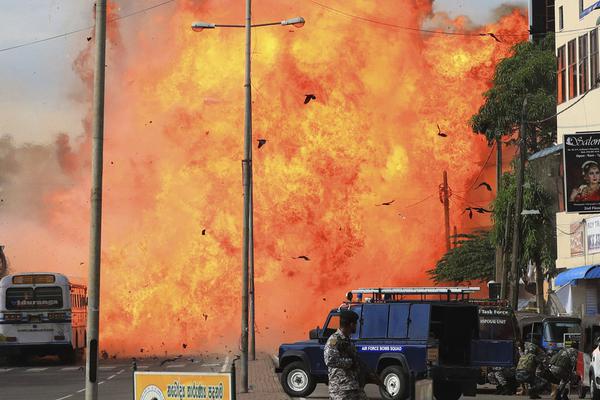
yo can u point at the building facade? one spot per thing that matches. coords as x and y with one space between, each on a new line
577 25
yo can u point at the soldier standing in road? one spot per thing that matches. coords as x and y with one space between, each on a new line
342 361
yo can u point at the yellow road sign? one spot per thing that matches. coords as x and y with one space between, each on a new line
182 386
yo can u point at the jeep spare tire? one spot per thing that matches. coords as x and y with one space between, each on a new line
296 380
394 383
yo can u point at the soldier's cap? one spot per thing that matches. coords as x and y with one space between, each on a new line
348 317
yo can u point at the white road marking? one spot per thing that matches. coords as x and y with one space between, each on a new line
101 382
65 397
6 369
210 365
106 368
225 364
143 366
81 390
110 377
175 365
35 369
69 368
120 372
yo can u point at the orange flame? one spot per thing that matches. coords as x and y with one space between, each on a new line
174 144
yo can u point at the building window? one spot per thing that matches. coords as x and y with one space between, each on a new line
580 6
594 59
583 64
561 75
561 18
572 71
550 16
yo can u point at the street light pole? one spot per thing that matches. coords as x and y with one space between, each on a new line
247 223
93 312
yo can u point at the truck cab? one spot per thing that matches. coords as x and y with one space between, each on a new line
398 338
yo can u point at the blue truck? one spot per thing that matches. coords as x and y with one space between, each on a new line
403 333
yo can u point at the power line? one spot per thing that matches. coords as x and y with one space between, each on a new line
418 202
482 168
17 46
434 32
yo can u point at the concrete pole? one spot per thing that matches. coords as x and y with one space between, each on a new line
251 291
446 211
516 244
93 310
499 252
247 182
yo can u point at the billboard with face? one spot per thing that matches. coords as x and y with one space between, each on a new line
582 172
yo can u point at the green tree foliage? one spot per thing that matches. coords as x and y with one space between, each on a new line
471 260
537 231
531 72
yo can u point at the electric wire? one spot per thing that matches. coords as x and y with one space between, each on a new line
434 32
46 39
482 168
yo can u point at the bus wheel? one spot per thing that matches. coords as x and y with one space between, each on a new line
68 356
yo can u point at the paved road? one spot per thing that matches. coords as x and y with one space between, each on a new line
373 393
47 379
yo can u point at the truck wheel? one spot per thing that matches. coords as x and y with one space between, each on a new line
296 380
446 391
394 382
593 388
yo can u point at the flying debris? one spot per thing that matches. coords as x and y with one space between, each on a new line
486 185
481 210
184 345
470 210
205 316
89 38
492 35
305 258
387 203
402 216
261 142
203 232
440 133
309 97
163 362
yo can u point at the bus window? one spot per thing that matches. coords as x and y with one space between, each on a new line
31 299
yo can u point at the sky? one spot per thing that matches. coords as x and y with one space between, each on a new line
39 87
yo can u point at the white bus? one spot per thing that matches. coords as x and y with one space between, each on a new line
42 314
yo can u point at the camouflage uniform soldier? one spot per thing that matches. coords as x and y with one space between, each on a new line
532 357
342 361
560 370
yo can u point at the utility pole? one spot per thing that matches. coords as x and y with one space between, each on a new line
505 280
93 308
247 182
251 292
499 252
455 239
516 243
446 201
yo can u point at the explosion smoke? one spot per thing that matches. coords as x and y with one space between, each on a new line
172 166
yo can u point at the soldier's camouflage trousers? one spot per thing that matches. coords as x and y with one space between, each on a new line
358 394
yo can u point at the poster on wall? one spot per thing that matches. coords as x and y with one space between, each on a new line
582 172
577 243
592 228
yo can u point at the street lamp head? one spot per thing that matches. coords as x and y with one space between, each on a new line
298 22
200 26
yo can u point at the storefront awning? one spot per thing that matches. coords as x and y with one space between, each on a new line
547 151
586 272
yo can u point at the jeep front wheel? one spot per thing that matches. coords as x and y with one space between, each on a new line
394 383
296 380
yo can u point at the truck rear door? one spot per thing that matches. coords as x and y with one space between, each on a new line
497 334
